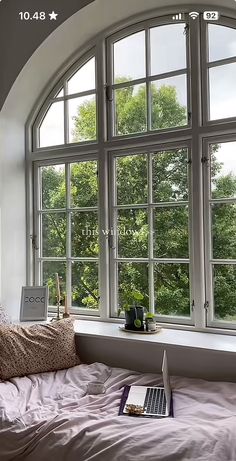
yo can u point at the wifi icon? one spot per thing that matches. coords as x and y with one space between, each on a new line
194 15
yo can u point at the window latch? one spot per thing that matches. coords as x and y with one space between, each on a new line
111 242
193 305
34 242
206 305
204 160
109 93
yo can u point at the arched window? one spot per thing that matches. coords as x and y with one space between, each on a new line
134 161
60 124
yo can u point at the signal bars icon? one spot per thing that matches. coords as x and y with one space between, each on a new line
178 17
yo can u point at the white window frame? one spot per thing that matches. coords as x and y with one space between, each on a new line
147 79
68 210
150 260
209 260
206 65
197 136
67 97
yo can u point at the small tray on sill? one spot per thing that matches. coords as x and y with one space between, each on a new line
141 332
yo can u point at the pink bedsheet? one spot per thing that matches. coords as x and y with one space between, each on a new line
50 417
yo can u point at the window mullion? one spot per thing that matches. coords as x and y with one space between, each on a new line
103 215
209 299
113 248
68 238
148 72
197 250
66 116
37 233
103 241
150 237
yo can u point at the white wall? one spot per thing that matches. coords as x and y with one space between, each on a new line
182 361
49 57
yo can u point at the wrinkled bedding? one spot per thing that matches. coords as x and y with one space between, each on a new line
50 416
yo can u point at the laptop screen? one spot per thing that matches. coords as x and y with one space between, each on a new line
166 380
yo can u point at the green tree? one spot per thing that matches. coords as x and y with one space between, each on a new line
170 184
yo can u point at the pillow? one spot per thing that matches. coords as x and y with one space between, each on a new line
37 348
4 317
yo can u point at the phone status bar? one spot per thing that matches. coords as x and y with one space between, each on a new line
193 15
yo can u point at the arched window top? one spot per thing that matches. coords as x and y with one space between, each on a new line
83 79
62 122
147 73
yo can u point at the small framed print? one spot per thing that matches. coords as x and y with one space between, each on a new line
34 303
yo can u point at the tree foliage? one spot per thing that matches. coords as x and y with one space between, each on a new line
170 232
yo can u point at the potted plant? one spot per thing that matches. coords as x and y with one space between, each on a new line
134 312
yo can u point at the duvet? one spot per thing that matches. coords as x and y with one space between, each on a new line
51 416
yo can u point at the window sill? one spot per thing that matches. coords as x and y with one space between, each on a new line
166 337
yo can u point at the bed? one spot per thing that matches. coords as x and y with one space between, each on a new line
50 416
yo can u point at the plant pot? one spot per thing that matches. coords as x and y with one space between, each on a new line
134 313
150 325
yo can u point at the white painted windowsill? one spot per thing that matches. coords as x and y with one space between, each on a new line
166 337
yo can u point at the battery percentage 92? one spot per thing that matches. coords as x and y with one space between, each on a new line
211 15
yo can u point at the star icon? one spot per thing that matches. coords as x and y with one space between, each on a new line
53 15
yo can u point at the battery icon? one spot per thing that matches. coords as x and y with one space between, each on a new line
211 15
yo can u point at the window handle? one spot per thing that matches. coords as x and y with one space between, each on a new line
111 242
34 242
109 93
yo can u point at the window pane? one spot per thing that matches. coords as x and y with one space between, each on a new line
129 58
169 102
223 170
132 277
85 291
84 184
51 132
54 234
170 176
53 189
50 268
82 119
224 231
222 42
222 91
133 233
171 283
131 179
131 110
83 79
168 48
171 232
224 283
84 234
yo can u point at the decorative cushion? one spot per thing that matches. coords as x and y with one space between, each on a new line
37 348
4 317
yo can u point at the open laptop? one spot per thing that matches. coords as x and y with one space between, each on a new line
156 401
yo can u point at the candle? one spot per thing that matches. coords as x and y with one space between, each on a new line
66 306
58 288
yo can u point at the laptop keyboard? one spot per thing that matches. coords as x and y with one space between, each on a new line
155 401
